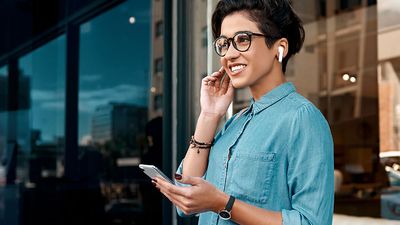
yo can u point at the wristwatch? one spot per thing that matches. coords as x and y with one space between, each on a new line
225 214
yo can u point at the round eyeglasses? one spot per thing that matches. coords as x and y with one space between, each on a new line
241 42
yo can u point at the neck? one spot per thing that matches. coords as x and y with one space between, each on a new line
267 83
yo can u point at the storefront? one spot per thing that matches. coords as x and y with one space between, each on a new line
90 89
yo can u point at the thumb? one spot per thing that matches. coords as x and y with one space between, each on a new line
230 88
186 179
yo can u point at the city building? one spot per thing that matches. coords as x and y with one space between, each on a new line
119 123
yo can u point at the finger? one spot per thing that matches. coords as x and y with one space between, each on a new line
225 84
218 73
185 205
230 89
173 198
178 200
221 70
189 179
179 204
210 79
170 188
210 83
217 84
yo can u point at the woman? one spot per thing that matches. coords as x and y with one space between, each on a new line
273 162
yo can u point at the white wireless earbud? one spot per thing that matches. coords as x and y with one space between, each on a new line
280 51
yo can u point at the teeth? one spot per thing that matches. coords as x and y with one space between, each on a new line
236 68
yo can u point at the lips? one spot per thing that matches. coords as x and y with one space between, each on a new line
237 68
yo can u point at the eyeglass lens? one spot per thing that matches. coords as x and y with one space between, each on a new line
241 42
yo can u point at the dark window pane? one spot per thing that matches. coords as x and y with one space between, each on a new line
159 28
158 65
114 110
158 99
41 118
3 117
204 37
3 88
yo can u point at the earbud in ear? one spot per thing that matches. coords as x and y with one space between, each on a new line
280 51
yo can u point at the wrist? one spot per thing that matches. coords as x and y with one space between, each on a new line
221 201
206 127
210 117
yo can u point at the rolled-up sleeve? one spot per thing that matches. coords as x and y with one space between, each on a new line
310 170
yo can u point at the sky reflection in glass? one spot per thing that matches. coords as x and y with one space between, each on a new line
114 60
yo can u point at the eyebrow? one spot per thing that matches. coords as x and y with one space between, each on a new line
237 32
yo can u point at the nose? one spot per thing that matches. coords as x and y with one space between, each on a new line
232 53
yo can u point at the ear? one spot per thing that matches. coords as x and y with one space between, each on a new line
282 48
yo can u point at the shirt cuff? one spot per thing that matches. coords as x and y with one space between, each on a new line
291 217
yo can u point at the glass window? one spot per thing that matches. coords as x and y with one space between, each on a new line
159 28
158 65
389 14
388 33
204 40
119 121
341 78
41 115
3 118
198 55
347 4
158 102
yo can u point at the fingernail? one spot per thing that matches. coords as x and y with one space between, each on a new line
178 176
154 180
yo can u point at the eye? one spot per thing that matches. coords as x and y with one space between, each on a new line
221 43
242 39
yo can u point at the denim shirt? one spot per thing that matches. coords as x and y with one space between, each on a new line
277 155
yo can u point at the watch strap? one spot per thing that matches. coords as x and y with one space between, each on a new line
229 205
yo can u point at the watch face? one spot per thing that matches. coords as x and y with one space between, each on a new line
225 215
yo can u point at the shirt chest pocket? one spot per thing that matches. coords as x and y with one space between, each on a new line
251 176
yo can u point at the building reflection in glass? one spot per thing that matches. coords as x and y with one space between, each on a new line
3 118
388 74
120 107
41 114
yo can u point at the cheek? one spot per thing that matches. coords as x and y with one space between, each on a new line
263 60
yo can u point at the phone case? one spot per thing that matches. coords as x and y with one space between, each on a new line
152 171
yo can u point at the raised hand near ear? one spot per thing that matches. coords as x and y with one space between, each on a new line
216 93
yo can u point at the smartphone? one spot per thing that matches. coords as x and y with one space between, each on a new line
152 171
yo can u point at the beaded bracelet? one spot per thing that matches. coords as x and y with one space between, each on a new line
199 145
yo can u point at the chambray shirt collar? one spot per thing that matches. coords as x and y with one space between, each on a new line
271 97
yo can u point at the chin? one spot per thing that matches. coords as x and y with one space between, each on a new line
239 85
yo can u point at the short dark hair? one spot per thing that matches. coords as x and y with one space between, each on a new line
275 18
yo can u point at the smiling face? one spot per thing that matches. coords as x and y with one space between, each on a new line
258 67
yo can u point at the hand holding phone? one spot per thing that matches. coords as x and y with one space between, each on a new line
153 172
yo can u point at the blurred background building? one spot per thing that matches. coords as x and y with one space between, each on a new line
91 88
